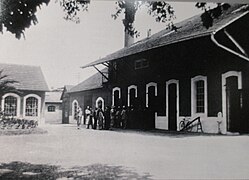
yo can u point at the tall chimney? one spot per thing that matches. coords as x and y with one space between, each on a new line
128 39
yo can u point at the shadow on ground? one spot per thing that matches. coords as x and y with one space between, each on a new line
27 171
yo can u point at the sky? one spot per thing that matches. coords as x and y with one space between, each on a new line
61 47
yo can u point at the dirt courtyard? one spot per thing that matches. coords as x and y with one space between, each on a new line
94 154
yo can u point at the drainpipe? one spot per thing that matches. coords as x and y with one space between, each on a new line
226 48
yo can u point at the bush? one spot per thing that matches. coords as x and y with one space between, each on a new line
7 122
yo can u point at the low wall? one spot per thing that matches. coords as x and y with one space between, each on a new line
209 124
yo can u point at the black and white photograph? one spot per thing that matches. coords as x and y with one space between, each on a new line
124 90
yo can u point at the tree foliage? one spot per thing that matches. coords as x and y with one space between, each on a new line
162 11
210 14
72 7
17 15
6 84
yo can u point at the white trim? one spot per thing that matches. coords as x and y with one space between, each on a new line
113 91
193 96
39 105
129 88
103 102
18 108
224 47
74 101
224 102
173 81
147 91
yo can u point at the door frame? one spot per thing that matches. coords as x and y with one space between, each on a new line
113 92
128 95
173 81
224 94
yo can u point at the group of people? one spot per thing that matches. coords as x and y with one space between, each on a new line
115 117
98 119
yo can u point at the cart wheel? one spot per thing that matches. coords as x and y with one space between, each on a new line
181 125
189 129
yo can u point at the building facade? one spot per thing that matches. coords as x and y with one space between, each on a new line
29 102
53 107
87 93
188 73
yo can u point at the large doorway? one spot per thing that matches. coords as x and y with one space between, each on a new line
233 104
152 107
172 106
116 98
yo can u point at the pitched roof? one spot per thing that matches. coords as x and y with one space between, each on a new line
53 97
93 82
188 29
68 87
28 77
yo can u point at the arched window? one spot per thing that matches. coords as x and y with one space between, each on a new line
200 99
31 106
199 95
51 108
10 106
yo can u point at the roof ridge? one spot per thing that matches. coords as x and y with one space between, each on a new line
27 65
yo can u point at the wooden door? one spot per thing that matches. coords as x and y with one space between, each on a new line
233 104
172 107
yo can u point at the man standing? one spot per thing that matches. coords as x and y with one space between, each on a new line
112 117
88 116
79 117
118 117
107 117
124 118
100 118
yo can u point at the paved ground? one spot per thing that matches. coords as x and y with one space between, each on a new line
128 155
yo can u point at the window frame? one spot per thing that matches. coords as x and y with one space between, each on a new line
38 105
53 108
141 62
194 111
18 102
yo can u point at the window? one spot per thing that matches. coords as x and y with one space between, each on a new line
31 106
10 106
51 108
141 63
200 96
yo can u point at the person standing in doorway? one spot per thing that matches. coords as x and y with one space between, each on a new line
100 119
112 117
107 117
118 117
124 118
